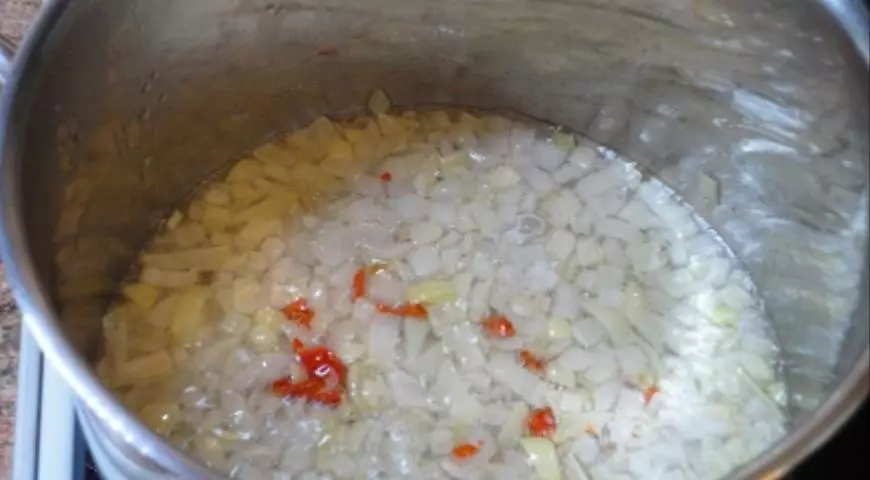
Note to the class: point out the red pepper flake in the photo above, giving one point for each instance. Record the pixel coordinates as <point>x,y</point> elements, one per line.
<point>649,393</point>
<point>327,376</point>
<point>465,450</point>
<point>330,398</point>
<point>532,362</point>
<point>386,177</point>
<point>498,326</point>
<point>326,51</point>
<point>281,386</point>
<point>297,345</point>
<point>358,287</point>
<point>304,388</point>
<point>298,312</point>
<point>320,362</point>
<point>410,310</point>
<point>541,422</point>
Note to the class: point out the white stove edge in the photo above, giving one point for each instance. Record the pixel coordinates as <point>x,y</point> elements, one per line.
<point>45,436</point>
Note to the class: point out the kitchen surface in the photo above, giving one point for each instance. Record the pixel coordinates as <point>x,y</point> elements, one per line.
<point>15,16</point>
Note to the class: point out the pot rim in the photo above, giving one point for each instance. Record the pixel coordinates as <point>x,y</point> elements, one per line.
<point>40,317</point>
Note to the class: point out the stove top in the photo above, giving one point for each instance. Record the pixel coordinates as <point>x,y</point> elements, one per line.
<point>846,451</point>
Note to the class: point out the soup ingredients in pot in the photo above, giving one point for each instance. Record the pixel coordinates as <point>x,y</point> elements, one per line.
<point>444,295</point>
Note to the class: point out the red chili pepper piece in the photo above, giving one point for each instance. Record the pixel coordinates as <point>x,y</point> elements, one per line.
<point>329,398</point>
<point>531,362</point>
<point>304,388</point>
<point>411,310</point>
<point>281,386</point>
<point>649,393</point>
<point>320,362</point>
<point>298,345</point>
<point>358,288</point>
<point>465,450</point>
<point>386,177</point>
<point>541,422</point>
<point>499,326</point>
<point>298,312</point>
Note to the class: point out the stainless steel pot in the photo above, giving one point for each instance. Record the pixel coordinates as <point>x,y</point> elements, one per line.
<point>114,110</point>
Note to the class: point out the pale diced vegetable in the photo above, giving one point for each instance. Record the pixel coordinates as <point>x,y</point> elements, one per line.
<point>378,103</point>
<point>161,417</point>
<point>142,295</point>
<point>542,455</point>
<point>209,258</point>
<point>190,314</point>
<point>145,368</point>
<point>253,234</point>
<point>433,292</point>
<point>245,170</point>
<point>273,153</point>
<point>559,329</point>
<point>174,220</point>
<point>168,278</point>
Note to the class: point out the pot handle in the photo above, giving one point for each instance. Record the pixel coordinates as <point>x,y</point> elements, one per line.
<point>6,50</point>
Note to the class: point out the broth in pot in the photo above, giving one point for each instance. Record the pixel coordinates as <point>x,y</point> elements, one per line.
<point>445,294</point>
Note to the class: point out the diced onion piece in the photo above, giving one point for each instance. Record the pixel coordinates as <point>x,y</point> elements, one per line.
<point>503,177</point>
<point>269,318</point>
<point>425,232</point>
<point>174,220</point>
<point>272,153</point>
<point>216,219</point>
<point>189,314</point>
<point>508,372</point>
<point>275,205</point>
<point>246,294</point>
<point>245,170</point>
<point>708,189</point>
<point>572,401</point>
<point>434,292</point>
<point>563,141</point>
<point>542,455</point>
<point>756,366</point>
<point>760,392</point>
<point>209,258</point>
<point>573,468</point>
<point>559,329</point>
<point>168,278</point>
<point>379,103</point>
<point>161,418</point>
<point>148,367</point>
<point>557,373</point>
<point>724,316</point>
<point>253,234</point>
<point>612,320</point>
<point>142,295</point>
<point>415,337</point>
<point>513,426</point>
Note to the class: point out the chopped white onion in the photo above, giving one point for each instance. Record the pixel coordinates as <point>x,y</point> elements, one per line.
<point>657,361</point>
<point>542,455</point>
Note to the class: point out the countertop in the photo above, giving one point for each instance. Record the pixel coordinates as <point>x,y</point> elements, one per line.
<point>15,16</point>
